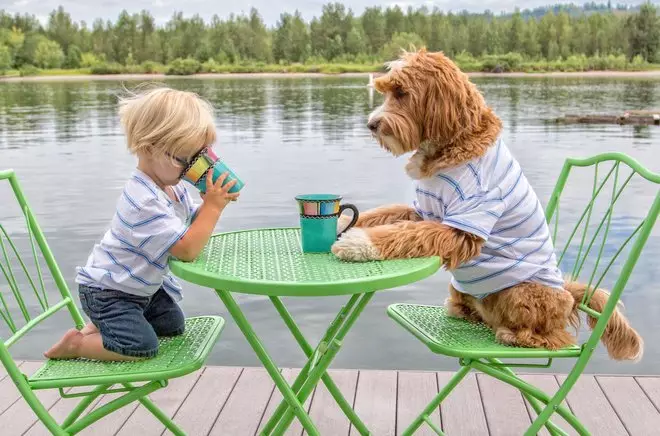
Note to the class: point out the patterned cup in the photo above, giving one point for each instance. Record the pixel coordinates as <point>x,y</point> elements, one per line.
<point>205,161</point>
<point>319,214</point>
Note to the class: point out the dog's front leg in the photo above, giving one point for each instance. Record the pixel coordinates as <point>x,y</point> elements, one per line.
<point>379,216</point>
<point>407,239</point>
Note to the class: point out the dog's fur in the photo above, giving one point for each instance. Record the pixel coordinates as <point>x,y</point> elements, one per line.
<point>432,109</point>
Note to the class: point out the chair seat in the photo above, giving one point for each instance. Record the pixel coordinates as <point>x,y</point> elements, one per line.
<point>177,356</point>
<point>456,337</point>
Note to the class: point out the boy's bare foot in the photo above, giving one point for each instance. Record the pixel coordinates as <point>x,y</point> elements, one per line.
<point>67,347</point>
<point>89,329</point>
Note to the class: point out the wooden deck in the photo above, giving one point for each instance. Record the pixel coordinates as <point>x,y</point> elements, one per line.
<point>236,401</point>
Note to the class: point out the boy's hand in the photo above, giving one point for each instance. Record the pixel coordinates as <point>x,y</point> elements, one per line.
<point>215,199</point>
<point>217,195</point>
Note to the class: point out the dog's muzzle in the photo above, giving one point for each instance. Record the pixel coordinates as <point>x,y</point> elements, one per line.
<point>373,124</point>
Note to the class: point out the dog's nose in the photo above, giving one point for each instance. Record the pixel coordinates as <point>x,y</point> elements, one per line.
<point>373,124</point>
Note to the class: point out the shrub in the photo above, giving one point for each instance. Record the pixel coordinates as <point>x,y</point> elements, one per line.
<point>184,67</point>
<point>28,70</point>
<point>107,68</point>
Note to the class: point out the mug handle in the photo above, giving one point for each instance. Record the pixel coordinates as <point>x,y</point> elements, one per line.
<point>356,215</point>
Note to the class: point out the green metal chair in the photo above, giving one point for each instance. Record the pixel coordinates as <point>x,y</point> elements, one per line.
<point>177,356</point>
<point>475,345</point>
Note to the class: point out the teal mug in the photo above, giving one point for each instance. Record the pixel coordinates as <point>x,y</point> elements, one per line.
<point>318,224</point>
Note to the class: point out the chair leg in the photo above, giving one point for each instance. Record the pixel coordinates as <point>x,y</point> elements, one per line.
<point>84,404</point>
<point>552,404</point>
<point>110,407</point>
<point>29,396</point>
<point>455,380</point>
<point>158,413</point>
<point>536,404</point>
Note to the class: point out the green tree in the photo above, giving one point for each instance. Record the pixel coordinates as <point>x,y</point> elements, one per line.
<point>48,54</point>
<point>61,28</point>
<point>356,41</point>
<point>531,46</point>
<point>330,32</point>
<point>336,34</point>
<point>73,57</point>
<point>5,59</point>
<point>291,41</point>
<point>26,54</point>
<point>374,26</point>
<point>516,33</point>
<point>399,42</point>
<point>147,48</point>
<point>14,39</point>
<point>644,33</point>
<point>260,40</point>
<point>395,22</point>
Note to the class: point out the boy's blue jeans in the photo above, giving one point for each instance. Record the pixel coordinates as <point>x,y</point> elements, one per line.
<point>130,324</point>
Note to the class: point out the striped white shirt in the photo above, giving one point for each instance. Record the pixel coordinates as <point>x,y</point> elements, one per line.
<point>491,198</point>
<point>132,256</point>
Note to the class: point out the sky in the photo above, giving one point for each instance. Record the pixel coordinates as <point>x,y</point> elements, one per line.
<point>270,10</point>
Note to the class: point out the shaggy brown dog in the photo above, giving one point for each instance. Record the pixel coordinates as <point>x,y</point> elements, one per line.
<point>433,110</point>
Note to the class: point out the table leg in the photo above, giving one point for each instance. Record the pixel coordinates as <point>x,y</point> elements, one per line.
<point>307,349</point>
<point>333,341</point>
<point>269,365</point>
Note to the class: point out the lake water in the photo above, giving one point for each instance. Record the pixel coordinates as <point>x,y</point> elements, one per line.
<point>292,135</point>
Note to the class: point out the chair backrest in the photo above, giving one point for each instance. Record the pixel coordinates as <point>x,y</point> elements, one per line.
<point>623,203</point>
<point>21,275</point>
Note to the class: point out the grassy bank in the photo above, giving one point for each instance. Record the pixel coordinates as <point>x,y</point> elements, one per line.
<point>509,63</point>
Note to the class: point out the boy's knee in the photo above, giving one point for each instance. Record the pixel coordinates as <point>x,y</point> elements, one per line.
<point>165,316</point>
<point>173,324</point>
<point>140,344</point>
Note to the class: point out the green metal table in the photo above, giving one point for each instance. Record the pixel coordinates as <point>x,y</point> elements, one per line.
<point>270,262</point>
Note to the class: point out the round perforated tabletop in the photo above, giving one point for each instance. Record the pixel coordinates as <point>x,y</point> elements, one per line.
<point>271,262</point>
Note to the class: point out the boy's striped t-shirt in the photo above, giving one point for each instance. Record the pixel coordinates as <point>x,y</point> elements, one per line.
<point>491,198</point>
<point>132,255</point>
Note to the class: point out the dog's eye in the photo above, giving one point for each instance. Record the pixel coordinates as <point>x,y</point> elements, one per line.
<point>399,92</point>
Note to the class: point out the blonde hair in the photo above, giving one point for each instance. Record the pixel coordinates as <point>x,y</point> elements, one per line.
<point>166,122</point>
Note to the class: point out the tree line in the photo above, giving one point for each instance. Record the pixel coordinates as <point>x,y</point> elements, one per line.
<point>338,35</point>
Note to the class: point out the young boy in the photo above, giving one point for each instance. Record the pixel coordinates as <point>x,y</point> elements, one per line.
<point>126,288</point>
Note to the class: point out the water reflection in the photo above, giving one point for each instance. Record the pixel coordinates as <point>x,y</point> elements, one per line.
<point>285,136</point>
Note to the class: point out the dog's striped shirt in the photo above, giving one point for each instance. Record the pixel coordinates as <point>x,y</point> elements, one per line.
<point>491,198</point>
<point>132,256</point>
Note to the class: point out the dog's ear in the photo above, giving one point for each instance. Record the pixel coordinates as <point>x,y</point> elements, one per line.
<point>453,103</point>
<point>383,84</point>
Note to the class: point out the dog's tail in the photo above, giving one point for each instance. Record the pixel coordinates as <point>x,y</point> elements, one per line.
<point>621,340</point>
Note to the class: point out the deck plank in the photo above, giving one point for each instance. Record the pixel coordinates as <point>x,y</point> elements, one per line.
<point>235,400</point>
<point>201,409</point>
<point>109,424</point>
<point>8,392</point>
<point>19,417</point>
<point>168,399</point>
<point>651,387</point>
<point>295,428</point>
<point>324,411</point>
<point>3,371</point>
<point>635,409</point>
<point>589,404</point>
<point>505,409</point>
<point>59,411</point>
<point>548,384</point>
<point>246,404</point>
<point>416,390</point>
<point>462,411</point>
<point>375,401</point>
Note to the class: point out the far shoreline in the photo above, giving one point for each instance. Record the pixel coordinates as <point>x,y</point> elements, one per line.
<point>653,74</point>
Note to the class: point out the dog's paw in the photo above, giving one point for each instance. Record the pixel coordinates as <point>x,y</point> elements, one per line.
<point>356,246</point>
